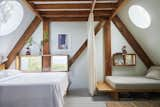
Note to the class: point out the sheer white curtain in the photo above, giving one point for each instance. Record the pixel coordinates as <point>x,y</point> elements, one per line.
<point>91,55</point>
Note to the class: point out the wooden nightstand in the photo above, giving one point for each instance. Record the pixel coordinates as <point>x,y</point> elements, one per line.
<point>2,66</point>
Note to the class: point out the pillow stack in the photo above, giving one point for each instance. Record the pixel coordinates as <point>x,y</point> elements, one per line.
<point>153,73</point>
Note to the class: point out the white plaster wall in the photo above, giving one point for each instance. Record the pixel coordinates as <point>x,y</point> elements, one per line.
<point>148,38</point>
<point>78,33</point>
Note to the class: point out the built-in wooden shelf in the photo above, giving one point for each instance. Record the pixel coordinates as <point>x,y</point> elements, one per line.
<point>2,66</point>
<point>120,59</point>
<point>104,87</point>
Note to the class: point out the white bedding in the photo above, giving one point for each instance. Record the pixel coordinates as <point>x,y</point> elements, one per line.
<point>33,90</point>
<point>131,82</point>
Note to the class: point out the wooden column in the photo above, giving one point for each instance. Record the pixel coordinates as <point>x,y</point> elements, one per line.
<point>46,58</point>
<point>107,48</point>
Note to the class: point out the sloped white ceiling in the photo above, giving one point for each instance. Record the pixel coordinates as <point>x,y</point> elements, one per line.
<point>148,38</point>
<point>8,42</point>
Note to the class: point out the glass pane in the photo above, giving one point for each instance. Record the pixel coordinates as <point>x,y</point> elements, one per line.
<point>59,63</point>
<point>31,63</point>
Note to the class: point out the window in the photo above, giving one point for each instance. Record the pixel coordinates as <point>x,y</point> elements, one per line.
<point>11,15</point>
<point>59,63</point>
<point>31,63</point>
<point>139,16</point>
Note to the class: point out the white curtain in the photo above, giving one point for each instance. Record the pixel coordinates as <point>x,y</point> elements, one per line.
<point>91,55</point>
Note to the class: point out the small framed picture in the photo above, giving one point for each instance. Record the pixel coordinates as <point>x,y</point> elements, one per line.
<point>63,42</point>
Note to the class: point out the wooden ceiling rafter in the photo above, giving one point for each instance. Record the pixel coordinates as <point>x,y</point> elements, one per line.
<point>121,4</point>
<point>83,1</point>
<point>75,6</point>
<point>72,19</point>
<point>30,6</point>
<point>70,9</point>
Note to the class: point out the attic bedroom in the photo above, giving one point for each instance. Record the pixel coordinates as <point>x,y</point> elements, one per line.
<point>74,53</point>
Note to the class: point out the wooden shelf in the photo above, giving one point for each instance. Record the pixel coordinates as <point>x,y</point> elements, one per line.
<point>104,87</point>
<point>2,66</point>
<point>120,59</point>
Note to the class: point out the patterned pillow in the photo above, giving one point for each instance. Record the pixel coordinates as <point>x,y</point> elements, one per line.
<point>153,74</point>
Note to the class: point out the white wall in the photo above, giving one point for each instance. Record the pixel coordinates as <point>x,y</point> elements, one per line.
<point>78,33</point>
<point>148,38</point>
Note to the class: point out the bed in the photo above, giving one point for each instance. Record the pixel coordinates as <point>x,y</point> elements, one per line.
<point>33,89</point>
<point>132,83</point>
<point>150,82</point>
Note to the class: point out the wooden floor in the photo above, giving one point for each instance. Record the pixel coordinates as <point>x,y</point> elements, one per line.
<point>133,104</point>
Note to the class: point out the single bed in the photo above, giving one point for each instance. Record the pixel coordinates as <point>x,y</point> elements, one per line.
<point>132,83</point>
<point>33,89</point>
<point>150,82</point>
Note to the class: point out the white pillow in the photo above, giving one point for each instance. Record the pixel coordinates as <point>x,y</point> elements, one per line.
<point>153,74</point>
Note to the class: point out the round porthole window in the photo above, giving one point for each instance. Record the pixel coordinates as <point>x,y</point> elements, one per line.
<point>11,15</point>
<point>139,16</point>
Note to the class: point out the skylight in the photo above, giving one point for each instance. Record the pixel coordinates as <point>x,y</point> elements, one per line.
<point>11,15</point>
<point>139,16</point>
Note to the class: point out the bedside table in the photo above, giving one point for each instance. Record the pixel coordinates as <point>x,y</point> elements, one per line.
<point>2,66</point>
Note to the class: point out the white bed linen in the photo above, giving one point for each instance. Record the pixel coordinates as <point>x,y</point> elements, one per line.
<point>33,90</point>
<point>131,82</point>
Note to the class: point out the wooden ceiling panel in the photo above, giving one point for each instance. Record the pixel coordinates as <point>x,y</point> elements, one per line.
<point>75,10</point>
<point>75,6</point>
<point>64,19</point>
<point>74,13</point>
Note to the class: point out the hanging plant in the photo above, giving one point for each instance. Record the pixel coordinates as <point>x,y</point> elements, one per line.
<point>30,42</point>
<point>46,37</point>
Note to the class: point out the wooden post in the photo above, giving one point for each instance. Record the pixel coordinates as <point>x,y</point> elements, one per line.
<point>107,48</point>
<point>46,58</point>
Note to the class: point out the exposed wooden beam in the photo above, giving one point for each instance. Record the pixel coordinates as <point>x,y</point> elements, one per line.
<point>107,48</point>
<point>121,4</point>
<point>99,26</point>
<point>84,45</point>
<point>22,41</point>
<point>72,19</point>
<point>105,1</point>
<point>75,6</point>
<point>132,41</point>
<point>25,2</point>
<point>102,13</point>
<point>78,53</point>
<point>46,59</point>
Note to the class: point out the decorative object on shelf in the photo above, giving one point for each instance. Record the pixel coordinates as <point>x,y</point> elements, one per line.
<point>120,59</point>
<point>28,52</point>
<point>124,51</point>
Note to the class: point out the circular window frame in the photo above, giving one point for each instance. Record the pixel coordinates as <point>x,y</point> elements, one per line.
<point>139,16</point>
<point>9,27</point>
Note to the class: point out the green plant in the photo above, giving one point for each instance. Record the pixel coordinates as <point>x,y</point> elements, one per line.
<point>30,41</point>
<point>46,37</point>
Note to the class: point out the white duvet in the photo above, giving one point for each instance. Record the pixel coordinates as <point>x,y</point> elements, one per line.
<point>33,90</point>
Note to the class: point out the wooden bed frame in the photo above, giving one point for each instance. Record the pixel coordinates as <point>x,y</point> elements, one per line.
<point>106,87</point>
